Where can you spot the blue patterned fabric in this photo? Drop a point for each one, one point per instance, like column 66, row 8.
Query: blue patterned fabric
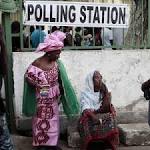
column 5, row 140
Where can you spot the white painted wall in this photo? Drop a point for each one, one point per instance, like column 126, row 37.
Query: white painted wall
column 123, row 72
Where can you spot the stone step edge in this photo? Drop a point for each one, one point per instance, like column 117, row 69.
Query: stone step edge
column 74, row 137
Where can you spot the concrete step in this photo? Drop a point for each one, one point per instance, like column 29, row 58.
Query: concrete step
column 73, row 137
column 134, row 134
column 24, row 123
column 130, row 135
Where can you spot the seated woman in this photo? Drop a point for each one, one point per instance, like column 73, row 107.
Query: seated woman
column 97, row 124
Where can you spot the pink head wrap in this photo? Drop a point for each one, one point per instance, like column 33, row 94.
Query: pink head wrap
column 52, row 42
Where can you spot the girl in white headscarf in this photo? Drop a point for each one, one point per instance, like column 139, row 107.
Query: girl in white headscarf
column 97, row 121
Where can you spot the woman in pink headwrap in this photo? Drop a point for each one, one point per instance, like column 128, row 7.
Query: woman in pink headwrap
column 43, row 73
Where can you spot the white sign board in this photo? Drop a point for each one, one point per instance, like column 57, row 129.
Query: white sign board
column 60, row 13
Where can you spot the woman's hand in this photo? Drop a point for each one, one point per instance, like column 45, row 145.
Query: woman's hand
column 90, row 113
column 94, row 118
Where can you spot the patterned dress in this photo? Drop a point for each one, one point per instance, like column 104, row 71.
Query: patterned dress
column 92, row 131
column 45, row 123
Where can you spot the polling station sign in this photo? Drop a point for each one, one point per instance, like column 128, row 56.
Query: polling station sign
column 60, row 13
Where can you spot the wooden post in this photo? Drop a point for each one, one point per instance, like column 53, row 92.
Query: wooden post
column 148, row 42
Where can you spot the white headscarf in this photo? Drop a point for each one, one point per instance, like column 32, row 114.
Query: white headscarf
column 90, row 99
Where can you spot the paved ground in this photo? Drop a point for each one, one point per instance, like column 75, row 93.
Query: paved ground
column 24, row 143
column 135, row 148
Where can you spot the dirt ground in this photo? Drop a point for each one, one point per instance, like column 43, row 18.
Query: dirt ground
column 25, row 143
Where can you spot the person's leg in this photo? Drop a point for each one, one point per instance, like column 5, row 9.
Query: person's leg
column 149, row 114
column 112, row 145
column 5, row 140
column 1, row 81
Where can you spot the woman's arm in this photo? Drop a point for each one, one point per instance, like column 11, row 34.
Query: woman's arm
column 106, row 100
column 60, row 84
column 31, row 76
column 105, row 107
